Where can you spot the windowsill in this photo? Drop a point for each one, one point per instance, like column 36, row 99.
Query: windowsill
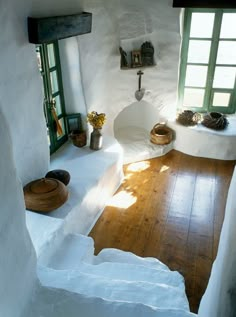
column 201, row 141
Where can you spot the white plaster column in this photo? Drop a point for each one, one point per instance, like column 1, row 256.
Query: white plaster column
column 18, row 259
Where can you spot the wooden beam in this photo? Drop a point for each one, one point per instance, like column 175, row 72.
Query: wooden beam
column 49, row 29
column 228, row 4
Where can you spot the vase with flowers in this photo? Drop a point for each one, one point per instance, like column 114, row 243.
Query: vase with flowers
column 97, row 121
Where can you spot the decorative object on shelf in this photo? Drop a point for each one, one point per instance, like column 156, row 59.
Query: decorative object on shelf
column 123, row 58
column 147, row 53
column 143, row 56
column 97, row 121
column 140, row 92
column 45, row 194
column 74, row 122
column 189, row 118
column 161, row 134
column 61, row 175
column 215, row 120
column 136, row 60
column 96, row 139
column 75, row 130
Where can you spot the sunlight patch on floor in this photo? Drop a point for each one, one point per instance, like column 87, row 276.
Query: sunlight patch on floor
column 164, row 168
column 139, row 166
column 122, row 200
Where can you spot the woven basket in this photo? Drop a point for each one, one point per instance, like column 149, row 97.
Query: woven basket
column 215, row 120
column 78, row 138
column 161, row 134
column 45, row 194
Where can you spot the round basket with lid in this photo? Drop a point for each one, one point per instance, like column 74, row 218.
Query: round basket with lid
column 45, row 194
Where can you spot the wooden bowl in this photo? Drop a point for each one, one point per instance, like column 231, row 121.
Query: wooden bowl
column 45, row 194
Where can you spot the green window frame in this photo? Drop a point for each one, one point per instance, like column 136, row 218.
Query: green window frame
column 54, row 104
column 207, row 80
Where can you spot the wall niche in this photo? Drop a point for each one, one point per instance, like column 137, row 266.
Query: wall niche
column 141, row 57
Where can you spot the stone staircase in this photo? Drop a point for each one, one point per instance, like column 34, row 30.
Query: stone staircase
column 113, row 275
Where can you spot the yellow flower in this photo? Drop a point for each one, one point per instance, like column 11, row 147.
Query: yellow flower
column 96, row 120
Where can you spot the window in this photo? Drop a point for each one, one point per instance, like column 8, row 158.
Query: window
column 54, row 108
column 208, row 61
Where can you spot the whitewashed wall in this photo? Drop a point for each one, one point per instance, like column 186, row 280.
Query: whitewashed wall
column 129, row 24
column 21, row 92
column 18, row 259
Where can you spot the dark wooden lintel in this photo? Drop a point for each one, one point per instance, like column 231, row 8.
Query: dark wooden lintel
column 221, row 4
column 49, row 29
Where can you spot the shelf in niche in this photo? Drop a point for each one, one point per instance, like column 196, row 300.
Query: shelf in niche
column 138, row 67
column 137, row 58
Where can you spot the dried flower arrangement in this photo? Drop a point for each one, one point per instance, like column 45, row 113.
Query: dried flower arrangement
column 96, row 120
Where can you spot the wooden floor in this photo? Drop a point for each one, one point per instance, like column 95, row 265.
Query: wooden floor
column 171, row 208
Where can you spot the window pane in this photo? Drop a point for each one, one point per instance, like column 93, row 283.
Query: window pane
column 224, row 77
column 196, row 76
column 193, row 97
column 202, row 25
column 58, row 105
column 54, row 83
column 226, row 52
column 199, row 51
column 39, row 61
column 61, row 121
column 51, row 56
column 228, row 26
column 48, row 137
column 221, row 99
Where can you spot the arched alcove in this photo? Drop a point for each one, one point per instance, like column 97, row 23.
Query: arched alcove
column 132, row 128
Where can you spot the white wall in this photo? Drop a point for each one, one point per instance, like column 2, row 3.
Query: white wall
column 220, row 297
column 17, row 260
column 138, row 114
column 130, row 23
column 21, row 92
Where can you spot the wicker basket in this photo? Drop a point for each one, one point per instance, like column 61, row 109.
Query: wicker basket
column 215, row 120
column 161, row 134
column 78, row 138
column 45, row 194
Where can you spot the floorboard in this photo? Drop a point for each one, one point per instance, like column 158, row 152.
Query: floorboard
column 171, row 208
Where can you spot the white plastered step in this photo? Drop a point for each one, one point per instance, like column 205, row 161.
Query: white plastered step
column 150, row 294
column 55, row 302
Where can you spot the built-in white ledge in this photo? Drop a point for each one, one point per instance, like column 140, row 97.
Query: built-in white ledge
column 193, row 140
column 95, row 176
column 204, row 142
